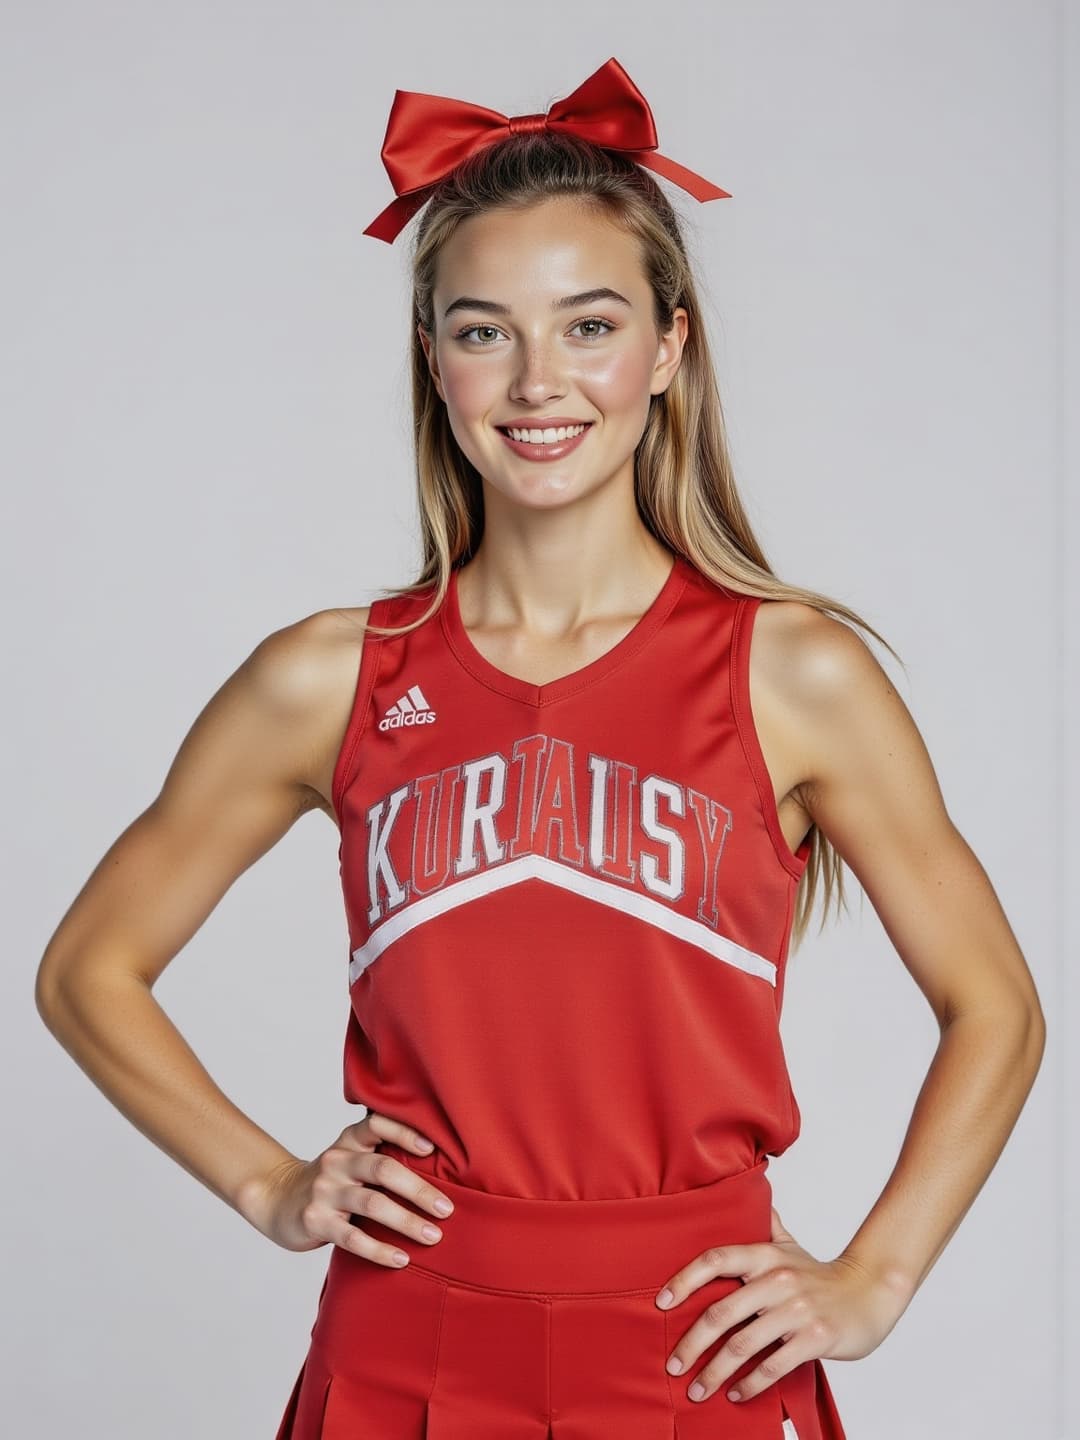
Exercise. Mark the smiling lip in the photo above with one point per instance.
(542, 422)
(539, 451)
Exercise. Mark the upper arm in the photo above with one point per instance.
(249, 766)
(871, 788)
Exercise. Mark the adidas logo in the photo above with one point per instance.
(410, 709)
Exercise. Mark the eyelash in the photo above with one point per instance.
(589, 320)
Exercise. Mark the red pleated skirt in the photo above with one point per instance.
(536, 1320)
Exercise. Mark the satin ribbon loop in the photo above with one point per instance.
(427, 136)
(527, 124)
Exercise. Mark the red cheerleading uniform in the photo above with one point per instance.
(568, 910)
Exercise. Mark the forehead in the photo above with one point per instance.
(562, 245)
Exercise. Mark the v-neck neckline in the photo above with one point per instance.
(516, 688)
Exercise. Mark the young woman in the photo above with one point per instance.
(589, 770)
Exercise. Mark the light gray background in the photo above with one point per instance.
(206, 436)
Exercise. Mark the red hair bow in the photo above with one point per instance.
(427, 135)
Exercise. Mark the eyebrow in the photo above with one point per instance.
(568, 302)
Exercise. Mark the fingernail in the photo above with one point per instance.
(400, 1258)
(430, 1233)
(442, 1206)
(664, 1299)
(674, 1366)
(733, 1395)
(696, 1391)
(424, 1143)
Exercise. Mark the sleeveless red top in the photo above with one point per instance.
(568, 905)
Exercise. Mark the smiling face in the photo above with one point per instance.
(544, 315)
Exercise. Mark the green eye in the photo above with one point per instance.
(461, 334)
(494, 330)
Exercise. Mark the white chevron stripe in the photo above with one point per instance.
(592, 887)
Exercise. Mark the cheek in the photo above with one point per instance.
(470, 387)
(619, 383)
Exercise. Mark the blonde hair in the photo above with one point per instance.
(684, 485)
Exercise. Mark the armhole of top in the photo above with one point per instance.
(746, 610)
(370, 649)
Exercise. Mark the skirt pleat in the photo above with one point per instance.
(328, 1406)
(808, 1404)
(287, 1427)
(325, 1405)
(303, 1418)
(810, 1411)
(408, 1355)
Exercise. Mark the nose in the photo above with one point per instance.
(537, 379)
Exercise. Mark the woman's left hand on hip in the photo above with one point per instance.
(830, 1309)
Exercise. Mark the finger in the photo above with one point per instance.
(722, 1315)
(397, 1131)
(804, 1345)
(778, 1324)
(375, 1168)
(742, 1261)
(373, 1204)
(714, 1322)
(357, 1241)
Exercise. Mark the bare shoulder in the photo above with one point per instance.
(306, 673)
(844, 724)
(812, 657)
(822, 691)
(295, 663)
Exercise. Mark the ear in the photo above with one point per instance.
(669, 353)
(433, 364)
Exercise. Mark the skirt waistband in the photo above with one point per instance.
(583, 1246)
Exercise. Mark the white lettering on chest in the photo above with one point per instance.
(642, 846)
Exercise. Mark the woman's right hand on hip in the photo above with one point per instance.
(304, 1203)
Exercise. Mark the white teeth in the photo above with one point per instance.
(546, 437)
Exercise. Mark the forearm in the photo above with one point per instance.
(974, 1091)
(115, 1030)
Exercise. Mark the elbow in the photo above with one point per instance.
(1034, 1035)
(49, 979)
(74, 983)
(1031, 1023)
(48, 995)
(55, 989)
(1011, 1025)
(1022, 1031)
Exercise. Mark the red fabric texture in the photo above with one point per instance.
(568, 910)
(510, 1328)
(568, 906)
